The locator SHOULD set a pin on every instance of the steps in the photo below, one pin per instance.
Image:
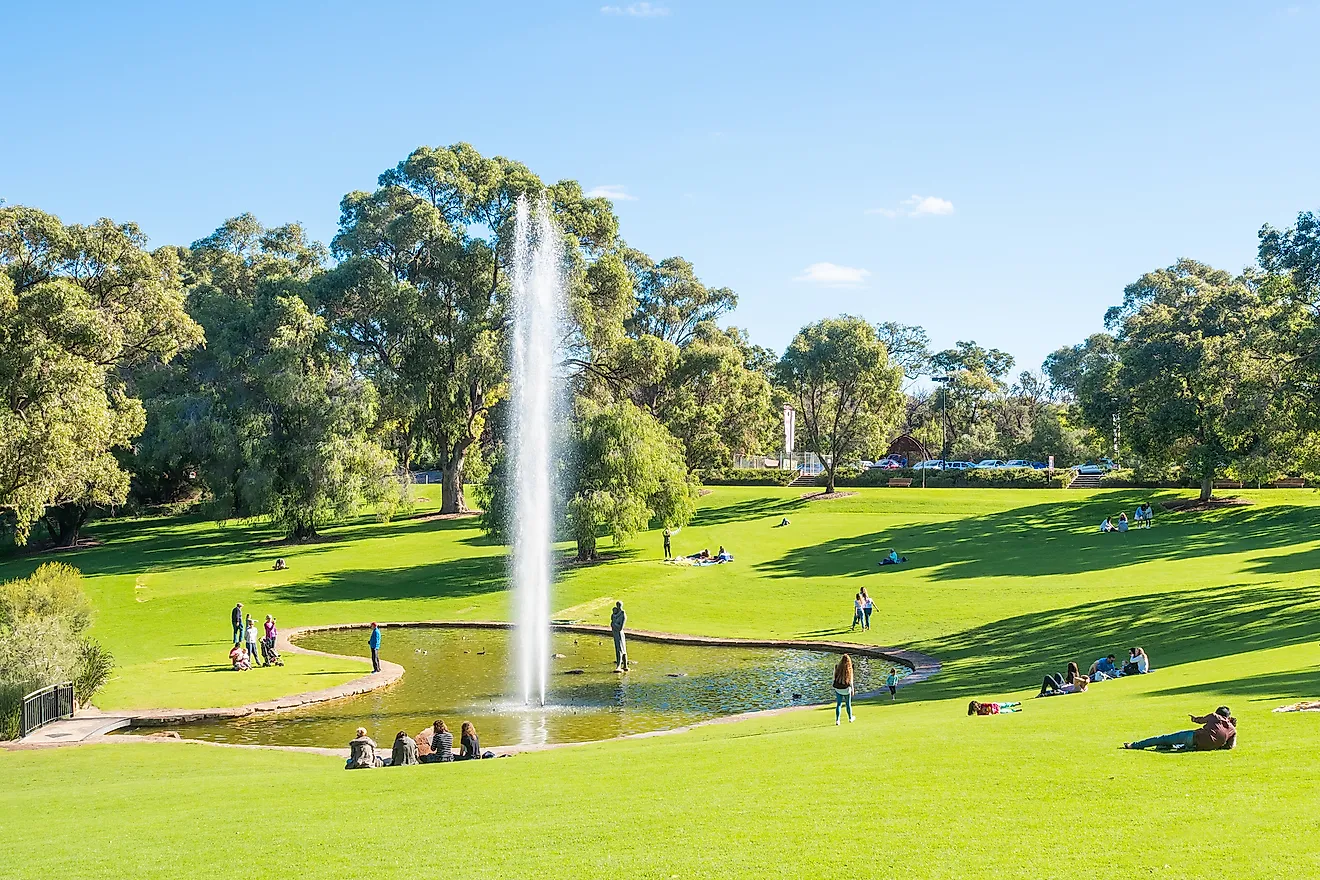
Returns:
(1085, 481)
(803, 480)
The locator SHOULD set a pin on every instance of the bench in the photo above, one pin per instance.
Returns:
(1290, 483)
(900, 482)
(1228, 484)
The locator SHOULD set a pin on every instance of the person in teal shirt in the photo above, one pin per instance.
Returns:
(891, 682)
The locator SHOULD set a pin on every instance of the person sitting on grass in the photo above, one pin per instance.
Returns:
(975, 708)
(723, 555)
(893, 558)
(783, 522)
(239, 658)
(470, 745)
(1067, 684)
(1107, 526)
(280, 564)
(1104, 668)
(405, 750)
(1218, 731)
(442, 743)
(362, 752)
(1137, 663)
(1122, 522)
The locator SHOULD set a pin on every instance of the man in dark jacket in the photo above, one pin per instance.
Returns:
(1218, 730)
(617, 619)
(236, 618)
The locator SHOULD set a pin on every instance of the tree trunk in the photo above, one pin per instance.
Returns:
(586, 545)
(451, 486)
(65, 522)
(829, 480)
(1207, 487)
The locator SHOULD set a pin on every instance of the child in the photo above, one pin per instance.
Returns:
(891, 682)
(975, 708)
(857, 611)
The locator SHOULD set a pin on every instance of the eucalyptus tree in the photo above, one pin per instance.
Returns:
(838, 376)
(420, 296)
(81, 307)
(975, 383)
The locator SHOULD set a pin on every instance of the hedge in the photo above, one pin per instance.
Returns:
(1012, 478)
(749, 477)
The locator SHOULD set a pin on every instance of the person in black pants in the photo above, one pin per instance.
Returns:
(374, 642)
(236, 618)
(668, 551)
(470, 745)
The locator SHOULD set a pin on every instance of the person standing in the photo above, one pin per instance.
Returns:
(868, 605)
(236, 618)
(843, 688)
(668, 550)
(374, 641)
(857, 611)
(250, 632)
(617, 619)
(891, 682)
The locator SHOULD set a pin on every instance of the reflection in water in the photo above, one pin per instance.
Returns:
(464, 675)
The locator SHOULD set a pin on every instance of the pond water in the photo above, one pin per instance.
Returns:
(462, 674)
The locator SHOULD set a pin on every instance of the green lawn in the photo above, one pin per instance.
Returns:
(1002, 585)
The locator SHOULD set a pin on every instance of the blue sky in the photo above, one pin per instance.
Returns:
(993, 172)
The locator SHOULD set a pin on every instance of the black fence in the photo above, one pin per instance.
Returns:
(46, 705)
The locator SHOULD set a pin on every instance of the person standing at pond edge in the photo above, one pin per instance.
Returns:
(236, 618)
(617, 619)
(843, 688)
(374, 642)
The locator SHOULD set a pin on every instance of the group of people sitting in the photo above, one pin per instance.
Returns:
(435, 745)
(704, 557)
(1073, 682)
(1143, 516)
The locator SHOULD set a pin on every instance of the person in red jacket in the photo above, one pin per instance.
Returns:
(1218, 730)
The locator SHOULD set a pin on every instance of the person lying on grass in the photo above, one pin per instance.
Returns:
(975, 708)
(1071, 682)
(1218, 731)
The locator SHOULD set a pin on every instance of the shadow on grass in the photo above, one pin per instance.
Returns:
(1174, 627)
(753, 508)
(1057, 538)
(453, 578)
(1275, 687)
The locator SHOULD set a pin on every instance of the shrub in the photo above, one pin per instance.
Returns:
(749, 477)
(1122, 478)
(1015, 478)
(92, 672)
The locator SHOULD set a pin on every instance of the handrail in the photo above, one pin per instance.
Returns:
(45, 705)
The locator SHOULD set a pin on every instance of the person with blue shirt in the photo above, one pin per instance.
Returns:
(374, 642)
(1104, 668)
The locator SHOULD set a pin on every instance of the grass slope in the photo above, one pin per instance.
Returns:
(1002, 585)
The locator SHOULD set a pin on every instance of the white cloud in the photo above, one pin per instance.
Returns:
(917, 206)
(833, 275)
(611, 191)
(636, 10)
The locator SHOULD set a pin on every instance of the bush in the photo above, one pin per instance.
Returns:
(749, 477)
(1123, 478)
(1015, 478)
(43, 619)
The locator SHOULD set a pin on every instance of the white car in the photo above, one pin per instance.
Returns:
(1095, 468)
(988, 464)
(933, 464)
(1017, 463)
(958, 465)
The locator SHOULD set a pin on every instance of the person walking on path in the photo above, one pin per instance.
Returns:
(236, 618)
(250, 632)
(843, 688)
(374, 641)
(617, 619)
(868, 605)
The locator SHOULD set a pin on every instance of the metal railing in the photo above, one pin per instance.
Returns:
(46, 705)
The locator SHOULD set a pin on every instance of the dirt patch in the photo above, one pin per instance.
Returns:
(573, 562)
(83, 544)
(434, 517)
(826, 496)
(1186, 505)
(704, 492)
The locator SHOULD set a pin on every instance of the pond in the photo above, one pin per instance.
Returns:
(460, 674)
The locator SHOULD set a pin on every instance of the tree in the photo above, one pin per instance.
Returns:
(625, 471)
(1194, 389)
(908, 346)
(839, 378)
(976, 380)
(420, 294)
(270, 414)
(81, 307)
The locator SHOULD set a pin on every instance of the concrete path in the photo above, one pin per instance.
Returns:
(77, 729)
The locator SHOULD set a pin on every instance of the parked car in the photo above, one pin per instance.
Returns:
(887, 464)
(988, 464)
(1017, 463)
(933, 464)
(1039, 465)
(958, 465)
(1096, 468)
